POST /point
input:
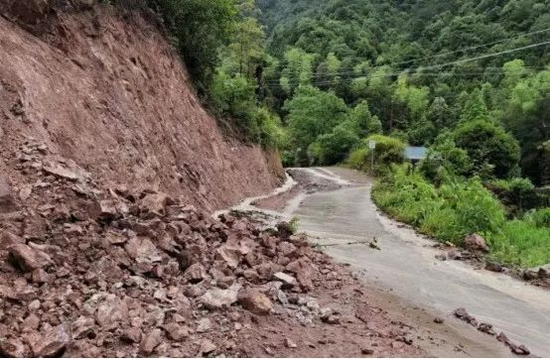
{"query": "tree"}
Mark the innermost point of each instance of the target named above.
(475, 108)
(440, 114)
(199, 28)
(362, 121)
(298, 70)
(493, 151)
(312, 112)
(335, 146)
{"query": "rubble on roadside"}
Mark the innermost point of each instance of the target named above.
(518, 349)
(91, 272)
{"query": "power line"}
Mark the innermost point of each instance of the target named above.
(456, 62)
(462, 49)
(473, 47)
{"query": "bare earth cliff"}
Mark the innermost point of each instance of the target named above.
(113, 96)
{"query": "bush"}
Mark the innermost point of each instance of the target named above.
(445, 158)
(388, 151)
(271, 131)
(517, 194)
(450, 212)
(493, 151)
(521, 243)
(335, 146)
(461, 207)
(541, 218)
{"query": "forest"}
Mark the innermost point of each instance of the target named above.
(318, 79)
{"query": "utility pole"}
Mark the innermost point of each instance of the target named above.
(372, 147)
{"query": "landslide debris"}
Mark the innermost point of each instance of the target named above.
(87, 271)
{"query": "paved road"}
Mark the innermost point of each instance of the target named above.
(409, 276)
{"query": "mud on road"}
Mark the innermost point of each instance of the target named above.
(405, 278)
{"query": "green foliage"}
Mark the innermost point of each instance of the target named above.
(541, 218)
(517, 194)
(335, 146)
(440, 115)
(388, 151)
(444, 159)
(198, 28)
(458, 208)
(311, 113)
(493, 151)
(363, 122)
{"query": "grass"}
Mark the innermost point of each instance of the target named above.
(461, 207)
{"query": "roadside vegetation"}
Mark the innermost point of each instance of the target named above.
(318, 80)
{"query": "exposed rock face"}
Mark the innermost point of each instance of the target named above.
(108, 113)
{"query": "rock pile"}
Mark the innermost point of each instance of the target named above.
(91, 272)
(487, 328)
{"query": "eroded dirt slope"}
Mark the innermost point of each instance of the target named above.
(111, 94)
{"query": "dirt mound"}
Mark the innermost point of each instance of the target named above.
(118, 272)
(112, 95)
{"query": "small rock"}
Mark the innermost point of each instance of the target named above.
(150, 341)
(27, 259)
(494, 267)
(195, 273)
(439, 320)
(7, 201)
(82, 327)
(53, 343)
(520, 350)
(367, 351)
(476, 242)
(61, 172)
(34, 305)
(131, 335)
(503, 338)
(486, 328)
(290, 344)
(39, 276)
(255, 301)
(207, 347)
(204, 325)
(530, 274)
(220, 298)
(31, 323)
(285, 278)
(12, 348)
(176, 332)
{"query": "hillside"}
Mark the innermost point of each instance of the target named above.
(112, 96)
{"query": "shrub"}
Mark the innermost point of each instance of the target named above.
(451, 212)
(517, 194)
(388, 151)
(445, 156)
(521, 243)
(335, 146)
(460, 207)
(493, 151)
(271, 131)
(541, 218)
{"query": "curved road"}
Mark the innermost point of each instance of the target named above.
(406, 273)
